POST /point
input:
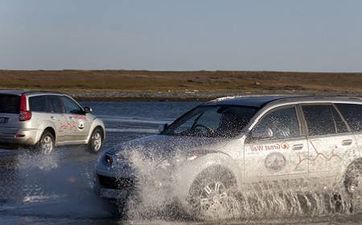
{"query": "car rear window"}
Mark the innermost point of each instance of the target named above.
(9, 103)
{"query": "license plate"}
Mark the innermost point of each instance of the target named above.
(4, 119)
(112, 193)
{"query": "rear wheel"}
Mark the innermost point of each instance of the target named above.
(96, 141)
(212, 195)
(353, 179)
(353, 184)
(46, 143)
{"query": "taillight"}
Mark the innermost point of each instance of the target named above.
(24, 114)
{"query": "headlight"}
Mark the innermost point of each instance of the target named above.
(108, 159)
(196, 154)
(192, 157)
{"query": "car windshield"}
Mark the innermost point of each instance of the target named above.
(212, 121)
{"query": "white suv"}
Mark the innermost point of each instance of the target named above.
(244, 144)
(43, 120)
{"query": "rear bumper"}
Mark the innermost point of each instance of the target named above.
(18, 137)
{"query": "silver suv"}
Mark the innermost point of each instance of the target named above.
(243, 144)
(43, 120)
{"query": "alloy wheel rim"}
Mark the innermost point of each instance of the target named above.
(213, 197)
(47, 145)
(97, 141)
(355, 186)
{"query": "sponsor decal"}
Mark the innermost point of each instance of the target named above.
(325, 157)
(73, 123)
(80, 124)
(278, 146)
(80, 117)
(275, 161)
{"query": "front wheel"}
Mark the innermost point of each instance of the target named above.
(353, 180)
(212, 195)
(96, 141)
(46, 143)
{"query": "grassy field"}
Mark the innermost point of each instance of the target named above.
(123, 84)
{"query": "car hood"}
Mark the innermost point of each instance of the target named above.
(163, 146)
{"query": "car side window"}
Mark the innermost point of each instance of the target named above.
(71, 107)
(352, 113)
(323, 120)
(341, 126)
(280, 124)
(55, 104)
(210, 119)
(39, 104)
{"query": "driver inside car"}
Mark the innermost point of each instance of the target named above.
(231, 123)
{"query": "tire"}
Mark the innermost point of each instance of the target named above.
(212, 196)
(353, 185)
(95, 141)
(46, 143)
(353, 179)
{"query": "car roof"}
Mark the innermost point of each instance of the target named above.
(261, 100)
(12, 92)
(252, 100)
(27, 92)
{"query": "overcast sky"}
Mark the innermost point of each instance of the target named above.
(292, 35)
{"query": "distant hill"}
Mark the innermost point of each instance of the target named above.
(121, 84)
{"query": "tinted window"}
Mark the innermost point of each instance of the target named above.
(282, 122)
(55, 104)
(352, 114)
(340, 124)
(320, 119)
(9, 103)
(39, 104)
(71, 107)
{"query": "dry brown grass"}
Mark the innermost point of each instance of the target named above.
(157, 81)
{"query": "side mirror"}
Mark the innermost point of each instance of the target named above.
(88, 109)
(162, 127)
(262, 133)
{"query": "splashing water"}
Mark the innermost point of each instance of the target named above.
(154, 200)
(45, 162)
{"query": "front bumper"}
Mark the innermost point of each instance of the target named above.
(114, 188)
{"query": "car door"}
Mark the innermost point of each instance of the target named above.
(56, 110)
(78, 123)
(330, 143)
(275, 148)
(352, 113)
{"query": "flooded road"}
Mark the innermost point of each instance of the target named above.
(57, 189)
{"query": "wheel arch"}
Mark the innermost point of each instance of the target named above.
(46, 126)
(195, 168)
(97, 124)
(52, 131)
(357, 161)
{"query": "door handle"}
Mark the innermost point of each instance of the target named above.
(297, 147)
(347, 142)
